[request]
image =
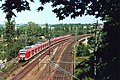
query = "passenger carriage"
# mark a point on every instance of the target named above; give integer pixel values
(29, 51)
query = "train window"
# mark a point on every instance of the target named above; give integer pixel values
(35, 50)
(41, 47)
(32, 51)
(22, 54)
(45, 44)
(38, 48)
(22, 51)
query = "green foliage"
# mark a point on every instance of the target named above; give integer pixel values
(13, 48)
(9, 48)
(1, 30)
(83, 50)
(84, 69)
(10, 31)
(107, 56)
(11, 66)
(64, 29)
(31, 33)
(31, 28)
(92, 41)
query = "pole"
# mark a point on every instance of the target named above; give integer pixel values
(74, 48)
(49, 52)
(96, 28)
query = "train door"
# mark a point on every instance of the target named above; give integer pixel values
(38, 49)
(35, 50)
(31, 54)
(42, 46)
(45, 45)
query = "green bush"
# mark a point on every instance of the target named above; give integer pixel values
(83, 70)
(83, 50)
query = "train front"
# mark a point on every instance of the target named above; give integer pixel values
(24, 54)
(21, 55)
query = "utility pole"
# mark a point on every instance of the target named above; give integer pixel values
(49, 49)
(96, 45)
(75, 34)
(96, 30)
(74, 48)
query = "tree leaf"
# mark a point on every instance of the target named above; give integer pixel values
(32, 0)
(40, 8)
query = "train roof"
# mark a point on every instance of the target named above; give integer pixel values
(36, 44)
(28, 47)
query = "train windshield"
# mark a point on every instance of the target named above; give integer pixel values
(22, 53)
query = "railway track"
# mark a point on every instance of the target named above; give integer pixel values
(50, 73)
(47, 71)
(66, 57)
(22, 73)
(63, 53)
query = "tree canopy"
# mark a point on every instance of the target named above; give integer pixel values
(72, 8)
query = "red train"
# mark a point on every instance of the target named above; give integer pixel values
(29, 51)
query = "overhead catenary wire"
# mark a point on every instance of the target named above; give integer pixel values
(57, 67)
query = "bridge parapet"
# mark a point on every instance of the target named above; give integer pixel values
(84, 40)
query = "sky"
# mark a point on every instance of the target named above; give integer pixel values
(45, 16)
